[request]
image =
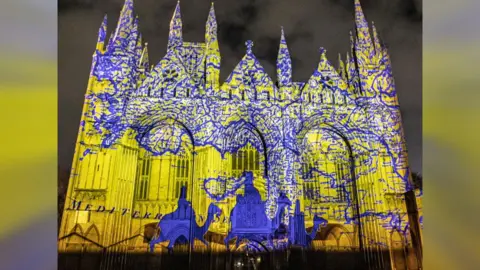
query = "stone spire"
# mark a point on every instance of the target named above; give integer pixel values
(249, 45)
(134, 39)
(352, 74)
(123, 31)
(364, 45)
(175, 35)
(102, 33)
(213, 58)
(284, 64)
(324, 63)
(138, 48)
(341, 68)
(352, 44)
(144, 61)
(211, 28)
(376, 40)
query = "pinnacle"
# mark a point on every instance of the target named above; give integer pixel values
(249, 45)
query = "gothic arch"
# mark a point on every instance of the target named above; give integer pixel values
(352, 137)
(151, 123)
(233, 143)
(161, 112)
(327, 168)
(75, 240)
(162, 138)
(317, 124)
(77, 229)
(92, 236)
(255, 244)
(92, 233)
(354, 145)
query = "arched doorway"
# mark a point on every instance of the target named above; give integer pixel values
(326, 176)
(221, 169)
(165, 164)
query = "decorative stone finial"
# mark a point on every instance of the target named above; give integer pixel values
(249, 45)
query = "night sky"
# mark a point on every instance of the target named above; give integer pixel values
(308, 25)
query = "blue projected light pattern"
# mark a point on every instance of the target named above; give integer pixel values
(348, 115)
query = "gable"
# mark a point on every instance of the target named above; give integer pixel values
(168, 79)
(249, 81)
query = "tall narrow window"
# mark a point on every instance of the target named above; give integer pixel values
(245, 160)
(183, 172)
(250, 160)
(341, 184)
(234, 161)
(183, 169)
(143, 178)
(240, 160)
(179, 166)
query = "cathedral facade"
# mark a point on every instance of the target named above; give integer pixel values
(166, 154)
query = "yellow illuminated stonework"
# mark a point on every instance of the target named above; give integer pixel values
(166, 154)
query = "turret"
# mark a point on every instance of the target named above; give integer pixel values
(121, 56)
(376, 91)
(213, 58)
(376, 80)
(115, 74)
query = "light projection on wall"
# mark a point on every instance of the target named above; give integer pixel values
(257, 164)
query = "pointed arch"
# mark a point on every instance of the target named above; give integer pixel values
(77, 229)
(239, 133)
(92, 233)
(170, 78)
(249, 72)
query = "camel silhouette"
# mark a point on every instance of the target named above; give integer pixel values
(297, 232)
(181, 222)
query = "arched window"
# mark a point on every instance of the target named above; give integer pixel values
(182, 172)
(325, 171)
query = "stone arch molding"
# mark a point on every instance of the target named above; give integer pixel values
(206, 122)
(173, 130)
(352, 135)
